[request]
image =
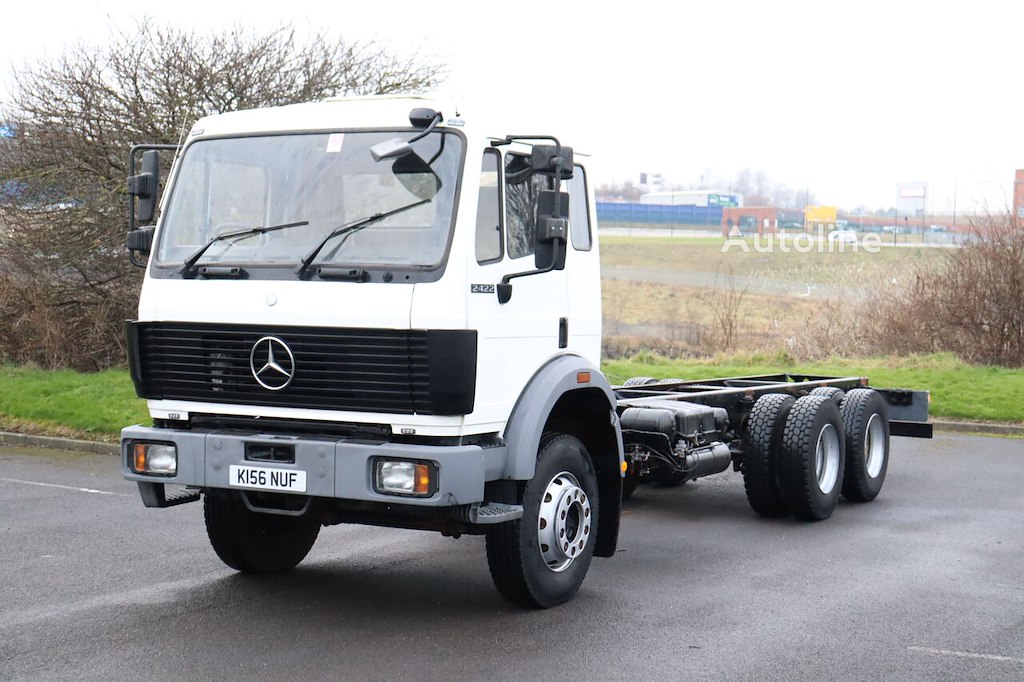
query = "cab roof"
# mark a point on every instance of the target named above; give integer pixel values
(329, 114)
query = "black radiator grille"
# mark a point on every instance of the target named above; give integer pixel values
(362, 370)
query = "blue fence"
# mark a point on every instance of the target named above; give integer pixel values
(609, 213)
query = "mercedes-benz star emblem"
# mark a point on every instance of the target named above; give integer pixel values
(272, 363)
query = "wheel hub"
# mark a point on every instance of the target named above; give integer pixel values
(826, 459)
(874, 446)
(564, 521)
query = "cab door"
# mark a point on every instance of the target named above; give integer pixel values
(517, 337)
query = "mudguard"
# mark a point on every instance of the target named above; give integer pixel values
(558, 378)
(526, 423)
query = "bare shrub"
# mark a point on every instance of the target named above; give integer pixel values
(972, 306)
(725, 301)
(64, 275)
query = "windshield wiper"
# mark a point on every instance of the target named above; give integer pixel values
(349, 229)
(190, 262)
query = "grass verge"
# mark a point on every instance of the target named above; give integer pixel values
(958, 390)
(96, 406)
(67, 403)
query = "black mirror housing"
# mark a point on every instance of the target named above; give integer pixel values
(423, 117)
(545, 158)
(143, 187)
(140, 242)
(551, 230)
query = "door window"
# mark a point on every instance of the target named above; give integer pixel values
(488, 211)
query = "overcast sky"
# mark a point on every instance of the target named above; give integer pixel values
(846, 99)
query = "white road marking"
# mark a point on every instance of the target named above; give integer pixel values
(64, 487)
(965, 654)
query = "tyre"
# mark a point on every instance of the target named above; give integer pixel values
(761, 442)
(252, 542)
(639, 381)
(836, 394)
(812, 457)
(866, 422)
(541, 559)
(671, 381)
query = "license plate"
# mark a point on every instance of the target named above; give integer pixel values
(260, 478)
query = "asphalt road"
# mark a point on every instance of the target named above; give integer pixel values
(927, 582)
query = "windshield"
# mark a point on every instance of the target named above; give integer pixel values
(318, 181)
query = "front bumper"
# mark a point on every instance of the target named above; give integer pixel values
(334, 468)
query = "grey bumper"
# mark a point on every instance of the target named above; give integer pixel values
(341, 469)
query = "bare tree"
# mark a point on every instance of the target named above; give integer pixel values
(754, 187)
(759, 190)
(614, 191)
(65, 286)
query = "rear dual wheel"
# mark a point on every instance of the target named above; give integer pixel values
(866, 423)
(812, 457)
(800, 455)
(836, 394)
(761, 442)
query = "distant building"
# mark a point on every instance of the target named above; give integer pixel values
(748, 220)
(1018, 194)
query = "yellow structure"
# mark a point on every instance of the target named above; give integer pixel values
(819, 218)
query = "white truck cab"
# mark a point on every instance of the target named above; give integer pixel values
(366, 311)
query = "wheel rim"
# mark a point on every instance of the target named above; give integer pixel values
(826, 459)
(563, 525)
(874, 446)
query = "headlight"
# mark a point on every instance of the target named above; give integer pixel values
(159, 459)
(397, 477)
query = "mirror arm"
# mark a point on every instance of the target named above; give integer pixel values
(504, 289)
(429, 129)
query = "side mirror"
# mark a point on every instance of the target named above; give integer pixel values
(143, 187)
(416, 176)
(547, 158)
(552, 229)
(396, 147)
(140, 241)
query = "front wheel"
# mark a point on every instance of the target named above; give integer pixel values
(252, 542)
(541, 559)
